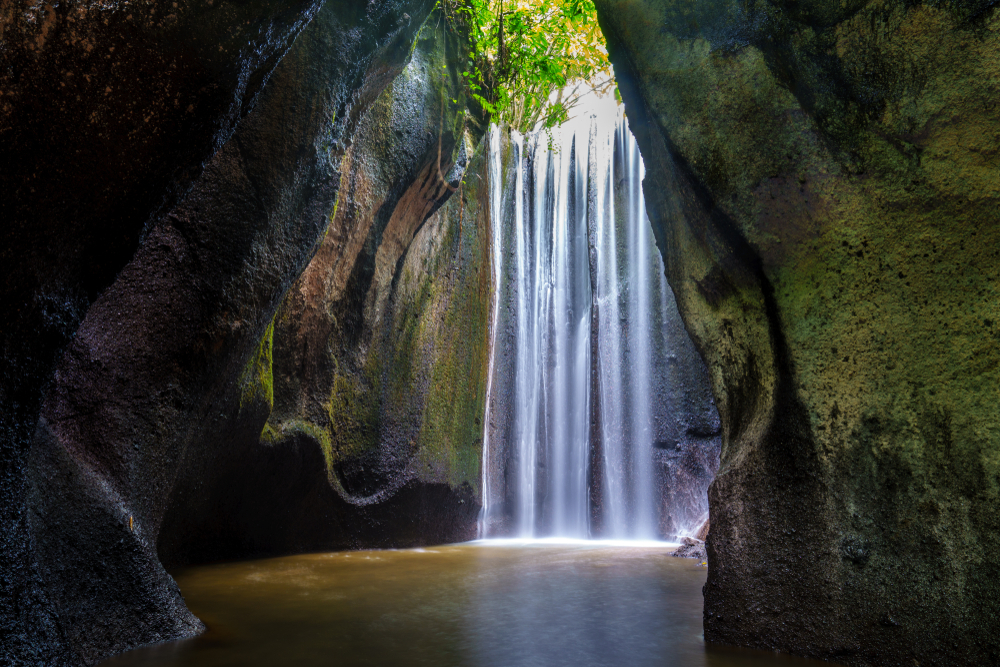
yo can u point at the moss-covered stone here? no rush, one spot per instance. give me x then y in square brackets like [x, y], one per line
[353, 414]
[450, 261]
[390, 317]
[256, 383]
[824, 182]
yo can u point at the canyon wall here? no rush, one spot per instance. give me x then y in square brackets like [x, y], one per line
[107, 115]
[166, 189]
[345, 429]
[824, 185]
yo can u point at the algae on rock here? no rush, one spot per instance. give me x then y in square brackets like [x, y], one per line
[381, 344]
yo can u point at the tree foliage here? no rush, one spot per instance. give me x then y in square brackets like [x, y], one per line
[532, 60]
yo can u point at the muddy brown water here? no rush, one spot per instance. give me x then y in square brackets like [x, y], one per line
[572, 605]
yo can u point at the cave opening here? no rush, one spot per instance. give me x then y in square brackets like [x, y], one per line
[588, 375]
[360, 332]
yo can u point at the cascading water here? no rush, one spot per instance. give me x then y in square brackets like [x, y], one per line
[574, 434]
[549, 428]
[622, 305]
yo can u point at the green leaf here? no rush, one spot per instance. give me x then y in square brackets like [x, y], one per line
[520, 58]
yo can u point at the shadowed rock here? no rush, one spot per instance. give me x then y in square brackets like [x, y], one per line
[108, 112]
[152, 367]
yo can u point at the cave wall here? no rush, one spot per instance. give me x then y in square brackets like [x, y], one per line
[823, 183]
[152, 235]
[107, 114]
[343, 430]
[392, 310]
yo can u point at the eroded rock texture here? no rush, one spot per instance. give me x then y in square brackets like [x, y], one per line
[370, 443]
[824, 183]
[107, 113]
[381, 345]
[109, 116]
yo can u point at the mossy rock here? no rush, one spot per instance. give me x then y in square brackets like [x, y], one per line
[824, 185]
[389, 319]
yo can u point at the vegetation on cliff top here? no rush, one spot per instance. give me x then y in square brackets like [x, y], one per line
[532, 60]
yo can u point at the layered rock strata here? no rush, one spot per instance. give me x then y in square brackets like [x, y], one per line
[824, 184]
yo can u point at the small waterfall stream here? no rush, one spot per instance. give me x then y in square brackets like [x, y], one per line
[580, 361]
[624, 314]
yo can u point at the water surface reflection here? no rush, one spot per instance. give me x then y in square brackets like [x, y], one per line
[571, 605]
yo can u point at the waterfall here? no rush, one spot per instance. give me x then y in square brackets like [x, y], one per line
[496, 262]
[576, 394]
[552, 365]
[622, 305]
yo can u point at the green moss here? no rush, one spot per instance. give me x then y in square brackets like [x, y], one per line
[858, 165]
[269, 436]
[302, 428]
[451, 437]
[329, 219]
[257, 381]
[353, 414]
[402, 373]
[450, 440]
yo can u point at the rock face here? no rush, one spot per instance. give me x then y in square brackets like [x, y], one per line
[107, 114]
[367, 443]
[380, 346]
[164, 315]
[824, 183]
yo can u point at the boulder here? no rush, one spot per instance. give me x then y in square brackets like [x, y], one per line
[690, 548]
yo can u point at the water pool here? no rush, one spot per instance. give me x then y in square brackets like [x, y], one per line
[478, 605]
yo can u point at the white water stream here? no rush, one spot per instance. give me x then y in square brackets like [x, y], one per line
[573, 255]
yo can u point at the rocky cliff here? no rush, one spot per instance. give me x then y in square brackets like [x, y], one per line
[824, 184]
[106, 116]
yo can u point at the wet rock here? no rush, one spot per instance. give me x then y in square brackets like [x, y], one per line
[391, 313]
[690, 548]
[823, 185]
[702, 533]
[108, 112]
